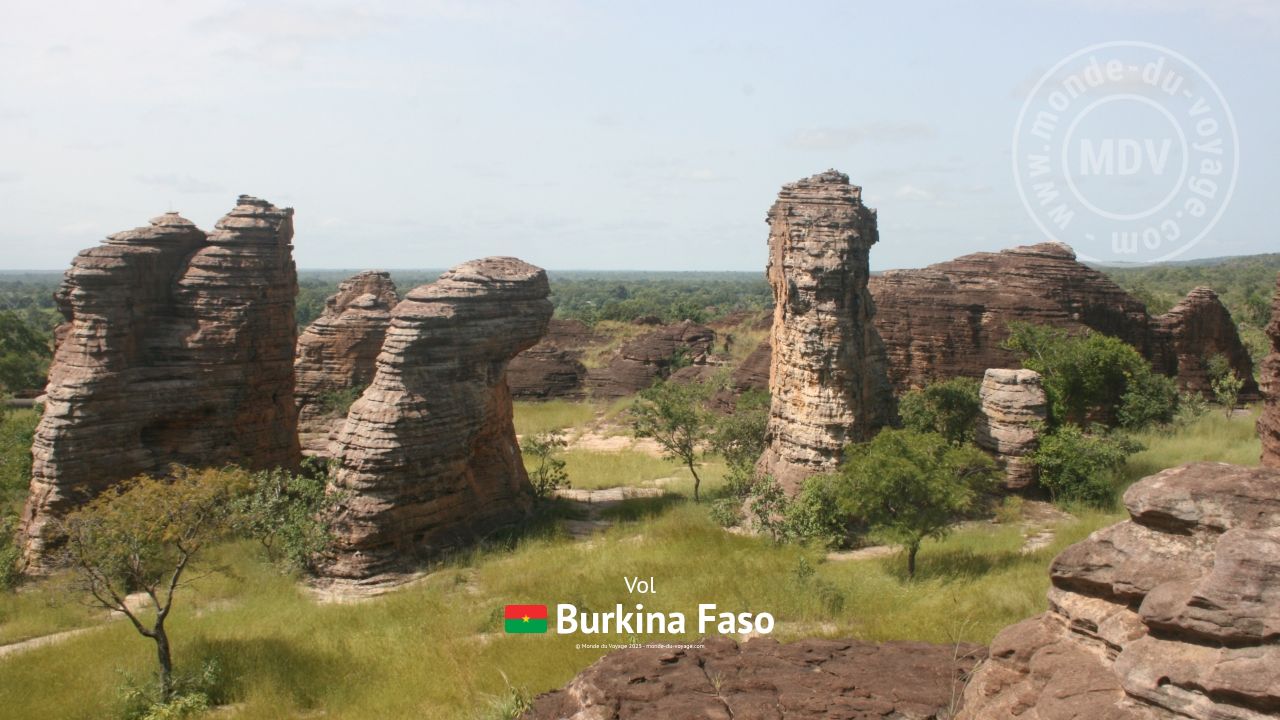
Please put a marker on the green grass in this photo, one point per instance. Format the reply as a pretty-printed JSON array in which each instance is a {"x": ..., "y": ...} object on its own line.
[
  {"x": 536, "y": 417},
  {"x": 1211, "y": 437},
  {"x": 435, "y": 650}
]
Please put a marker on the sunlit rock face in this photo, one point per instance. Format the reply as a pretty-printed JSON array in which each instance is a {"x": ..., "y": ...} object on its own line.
[
  {"x": 337, "y": 354},
  {"x": 827, "y": 376},
  {"x": 177, "y": 347},
  {"x": 1171, "y": 614},
  {"x": 1014, "y": 410},
  {"x": 427, "y": 458}
]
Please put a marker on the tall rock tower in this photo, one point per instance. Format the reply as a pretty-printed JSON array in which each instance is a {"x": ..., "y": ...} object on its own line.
[
  {"x": 828, "y": 377},
  {"x": 1269, "y": 423}
]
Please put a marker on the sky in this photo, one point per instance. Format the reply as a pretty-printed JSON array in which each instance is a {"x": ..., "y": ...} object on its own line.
[{"x": 575, "y": 135}]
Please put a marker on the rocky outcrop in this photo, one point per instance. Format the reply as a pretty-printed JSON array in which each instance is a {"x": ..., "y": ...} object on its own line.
[
  {"x": 827, "y": 380},
  {"x": 1172, "y": 614},
  {"x": 177, "y": 347},
  {"x": 336, "y": 354},
  {"x": 1269, "y": 423},
  {"x": 553, "y": 368},
  {"x": 653, "y": 356},
  {"x": 1194, "y": 331},
  {"x": 760, "y": 678},
  {"x": 427, "y": 458},
  {"x": 1013, "y": 412},
  {"x": 951, "y": 319}
]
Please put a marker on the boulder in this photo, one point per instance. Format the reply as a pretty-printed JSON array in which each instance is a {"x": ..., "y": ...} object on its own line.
[
  {"x": 827, "y": 379},
  {"x": 1188, "y": 336},
  {"x": 1269, "y": 423},
  {"x": 761, "y": 678},
  {"x": 1013, "y": 412},
  {"x": 650, "y": 357},
  {"x": 177, "y": 347},
  {"x": 553, "y": 368},
  {"x": 427, "y": 458},
  {"x": 337, "y": 352},
  {"x": 1172, "y": 614}
]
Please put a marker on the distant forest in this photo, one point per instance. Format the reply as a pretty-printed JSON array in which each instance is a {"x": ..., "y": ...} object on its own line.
[{"x": 28, "y": 315}]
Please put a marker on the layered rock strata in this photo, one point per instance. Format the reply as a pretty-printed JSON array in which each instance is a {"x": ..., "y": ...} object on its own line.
[
  {"x": 650, "y": 357},
  {"x": 827, "y": 378},
  {"x": 1269, "y": 423},
  {"x": 1013, "y": 412},
  {"x": 553, "y": 368},
  {"x": 336, "y": 354},
  {"x": 427, "y": 458},
  {"x": 1172, "y": 614},
  {"x": 1191, "y": 334},
  {"x": 177, "y": 347},
  {"x": 760, "y": 678}
]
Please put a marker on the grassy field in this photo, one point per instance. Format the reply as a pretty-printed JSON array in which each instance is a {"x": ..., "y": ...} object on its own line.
[{"x": 436, "y": 649}]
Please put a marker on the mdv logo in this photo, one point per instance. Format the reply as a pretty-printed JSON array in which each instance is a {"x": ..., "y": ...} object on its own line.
[{"x": 1124, "y": 156}]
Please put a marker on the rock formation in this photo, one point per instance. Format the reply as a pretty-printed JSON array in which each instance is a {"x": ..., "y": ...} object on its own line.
[
  {"x": 950, "y": 319},
  {"x": 1269, "y": 423},
  {"x": 1172, "y": 614},
  {"x": 1014, "y": 408},
  {"x": 427, "y": 457},
  {"x": 827, "y": 379},
  {"x": 553, "y": 368},
  {"x": 177, "y": 348},
  {"x": 1193, "y": 332},
  {"x": 650, "y": 357},
  {"x": 336, "y": 354},
  {"x": 760, "y": 678}
]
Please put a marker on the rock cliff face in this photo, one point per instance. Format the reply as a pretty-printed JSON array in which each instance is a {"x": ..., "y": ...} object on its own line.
[
  {"x": 760, "y": 678},
  {"x": 553, "y": 368},
  {"x": 337, "y": 352},
  {"x": 827, "y": 378},
  {"x": 177, "y": 348},
  {"x": 1269, "y": 423},
  {"x": 1196, "y": 329},
  {"x": 644, "y": 360},
  {"x": 1013, "y": 407},
  {"x": 427, "y": 457},
  {"x": 1172, "y": 614}
]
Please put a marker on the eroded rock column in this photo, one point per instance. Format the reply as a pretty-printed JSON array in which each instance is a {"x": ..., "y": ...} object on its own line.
[
  {"x": 827, "y": 377},
  {"x": 428, "y": 456},
  {"x": 1013, "y": 412}
]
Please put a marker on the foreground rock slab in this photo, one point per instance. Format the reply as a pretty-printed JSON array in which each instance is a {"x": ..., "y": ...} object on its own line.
[
  {"x": 177, "y": 347},
  {"x": 1174, "y": 613},
  {"x": 827, "y": 379},
  {"x": 761, "y": 678},
  {"x": 427, "y": 458}
]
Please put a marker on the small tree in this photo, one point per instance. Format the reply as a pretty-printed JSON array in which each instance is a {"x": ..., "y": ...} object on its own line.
[
  {"x": 288, "y": 513},
  {"x": 142, "y": 535},
  {"x": 548, "y": 472},
  {"x": 908, "y": 486},
  {"x": 676, "y": 417},
  {"x": 947, "y": 407},
  {"x": 1224, "y": 382},
  {"x": 739, "y": 438}
]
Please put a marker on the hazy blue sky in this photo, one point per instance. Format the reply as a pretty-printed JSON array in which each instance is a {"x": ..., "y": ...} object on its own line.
[{"x": 609, "y": 135}]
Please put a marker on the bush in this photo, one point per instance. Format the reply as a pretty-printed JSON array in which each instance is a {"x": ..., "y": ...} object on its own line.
[
  {"x": 814, "y": 515},
  {"x": 726, "y": 512},
  {"x": 908, "y": 485},
  {"x": 739, "y": 438},
  {"x": 947, "y": 407},
  {"x": 1094, "y": 378},
  {"x": 17, "y": 430},
  {"x": 1076, "y": 466},
  {"x": 10, "y": 553},
  {"x": 548, "y": 473},
  {"x": 287, "y": 513},
  {"x": 337, "y": 403}
]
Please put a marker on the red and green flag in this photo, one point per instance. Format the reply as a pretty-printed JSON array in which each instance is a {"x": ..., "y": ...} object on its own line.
[{"x": 526, "y": 618}]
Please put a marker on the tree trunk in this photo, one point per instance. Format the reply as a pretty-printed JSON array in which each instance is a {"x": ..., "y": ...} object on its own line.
[
  {"x": 697, "y": 482},
  {"x": 166, "y": 662},
  {"x": 911, "y": 560}
]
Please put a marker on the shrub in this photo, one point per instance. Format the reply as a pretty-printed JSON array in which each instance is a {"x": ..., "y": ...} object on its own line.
[
  {"x": 726, "y": 512},
  {"x": 739, "y": 438},
  {"x": 287, "y": 512},
  {"x": 908, "y": 485},
  {"x": 814, "y": 515},
  {"x": 1081, "y": 467},
  {"x": 337, "y": 403},
  {"x": 548, "y": 473},
  {"x": 947, "y": 407},
  {"x": 1093, "y": 377},
  {"x": 10, "y": 553}
]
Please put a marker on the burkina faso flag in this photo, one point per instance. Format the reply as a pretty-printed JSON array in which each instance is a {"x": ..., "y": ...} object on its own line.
[{"x": 526, "y": 618}]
